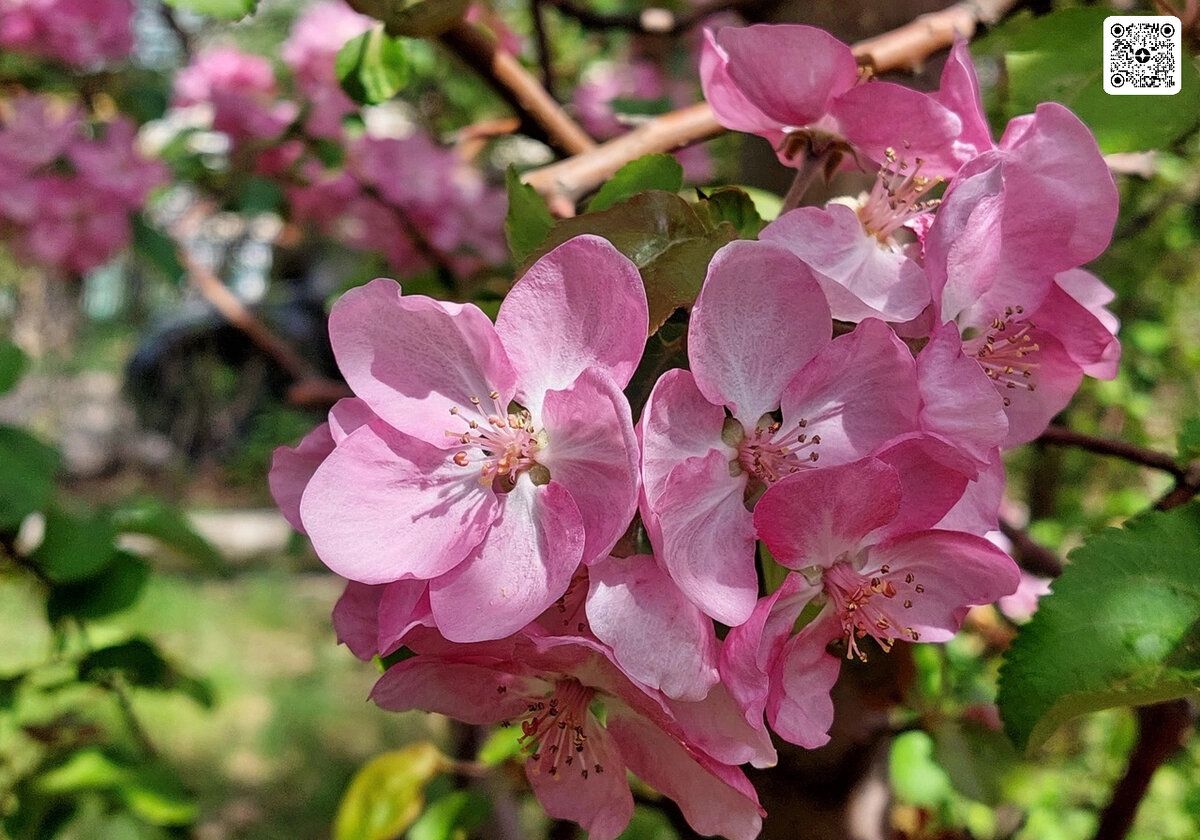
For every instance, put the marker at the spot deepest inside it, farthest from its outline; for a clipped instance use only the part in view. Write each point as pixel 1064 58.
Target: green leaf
pixel 916 777
pixel 372 67
pixel 151 791
pixel 139 663
pixel 116 588
pixel 641 107
pixel 387 795
pixel 415 18
pixel 528 220
pixel 219 9
pixel 975 758
pixel 663 235
pixel 75 548
pixel 500 746
pixel 157 248
pixel 1119 628
pixel 452 817
pixel 27 468
pixel 733 205
pixel 85 769
pixel 652 172
pixel 1058 57
pixel 1189 440
pixel 167 524
pixel 12 364
pixel 259 195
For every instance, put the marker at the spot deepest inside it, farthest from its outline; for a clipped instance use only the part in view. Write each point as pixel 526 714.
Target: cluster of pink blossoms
pixel 404 196
pixel 477 488
pixel 68 186
pixel 81 33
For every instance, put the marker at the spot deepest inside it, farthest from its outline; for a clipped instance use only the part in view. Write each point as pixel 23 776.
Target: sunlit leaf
pixel 387 795
pixel 503 744
pixel 663 235
pixel 1058 57
pixel 166 523
pixel 452 817
pixel 415 18
pixel 372 67
pixel 220 9
pixel 916 777
pixel 528 219
pixel 651 172
pixel 1120 628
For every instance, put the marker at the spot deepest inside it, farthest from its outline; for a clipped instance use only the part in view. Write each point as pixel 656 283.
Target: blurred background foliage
pixel 167 665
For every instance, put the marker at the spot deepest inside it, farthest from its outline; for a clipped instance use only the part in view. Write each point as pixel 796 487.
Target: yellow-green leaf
pixel 387 794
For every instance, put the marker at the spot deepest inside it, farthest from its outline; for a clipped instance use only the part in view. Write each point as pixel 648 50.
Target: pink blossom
pixel 310 51
pixel 875 572
pixel 1022 604
pixel 576 766
pixel 82 33
pixel 760 352
pixel 799 88
pixel 1003 259
pixel 242 90
pixel 495 505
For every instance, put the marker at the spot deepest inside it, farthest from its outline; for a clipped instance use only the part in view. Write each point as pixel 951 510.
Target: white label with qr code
pixel 1142 55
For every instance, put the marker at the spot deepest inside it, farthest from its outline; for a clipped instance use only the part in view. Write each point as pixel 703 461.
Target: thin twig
pixel 538 14
pixel 1062 436
pixel 542 117
pixel 1162 728
pixel 566 182
pixel 310 388
pixel 1031 555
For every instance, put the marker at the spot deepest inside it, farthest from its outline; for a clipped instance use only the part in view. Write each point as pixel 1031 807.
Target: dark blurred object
pixel 202 382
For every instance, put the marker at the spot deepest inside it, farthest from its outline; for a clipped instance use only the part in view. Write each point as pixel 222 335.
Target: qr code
pixel 1142 55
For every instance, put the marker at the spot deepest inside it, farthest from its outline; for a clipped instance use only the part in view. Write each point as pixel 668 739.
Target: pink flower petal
pixel 790 73
pixel 959 91
pixel 861 278
pixel 356 618
pixel 412 359
pixel 714 798
pixel 731 107
pixel 758 318
pixel 601 803
pixel 799 707
pixel 858 392
pixel 593 454
pixel 1056 377
pixel 677 424
pixel 580 306
pixel 1074 311
pixel 813 517
pixel 658 637
pixel 291 470
pixel 880 116
pixel 384 506
pixel 717 726
pixel 517 572
pixel 958 401
pixel 463 690
pixel 708 538
pixel 954 571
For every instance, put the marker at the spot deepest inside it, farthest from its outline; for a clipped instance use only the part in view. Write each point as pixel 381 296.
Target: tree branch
pixel 1162 728
pixel 1031 555
pixel 566 182
pixel 1062 436
pixel 541 116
